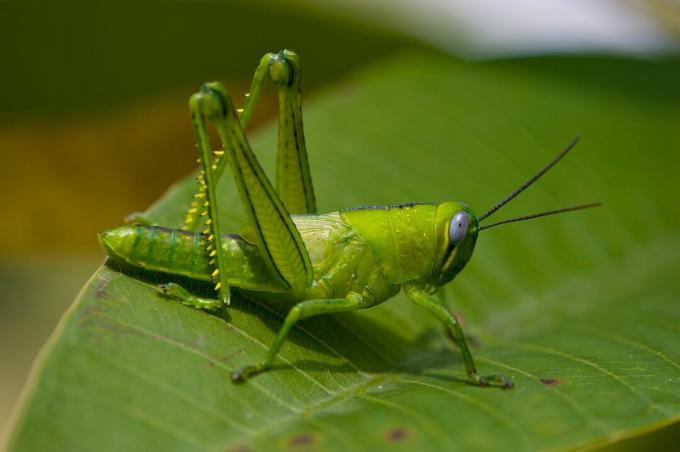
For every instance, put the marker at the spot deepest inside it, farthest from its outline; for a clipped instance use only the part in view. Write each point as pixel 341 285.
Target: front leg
pixel 424 300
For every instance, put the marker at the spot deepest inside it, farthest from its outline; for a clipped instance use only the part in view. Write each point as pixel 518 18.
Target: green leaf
pixel 580 310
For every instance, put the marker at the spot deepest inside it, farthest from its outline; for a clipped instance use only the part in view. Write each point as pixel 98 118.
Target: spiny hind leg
pixel 204 105
pixel 300 311
pixel 177 292
pixel 275 234
pixel 293 177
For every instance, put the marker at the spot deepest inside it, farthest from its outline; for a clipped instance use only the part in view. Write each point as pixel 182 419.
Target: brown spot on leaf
pixel 396 434
pixel 102 288
pixel 551 381
pixel 303 439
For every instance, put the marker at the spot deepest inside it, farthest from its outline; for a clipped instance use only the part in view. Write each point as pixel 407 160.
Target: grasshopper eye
pixel 458 227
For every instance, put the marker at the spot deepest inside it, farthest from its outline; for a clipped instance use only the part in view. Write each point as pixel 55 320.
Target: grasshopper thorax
pixel 456 229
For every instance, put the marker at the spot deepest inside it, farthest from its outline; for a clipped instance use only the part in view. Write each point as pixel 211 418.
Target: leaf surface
pixel 580 310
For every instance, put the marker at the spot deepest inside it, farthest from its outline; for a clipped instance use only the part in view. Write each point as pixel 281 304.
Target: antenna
pixel 526 184
pixel 542 214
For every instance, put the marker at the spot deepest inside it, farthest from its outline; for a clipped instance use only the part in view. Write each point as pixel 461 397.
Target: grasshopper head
pixel 457 226
pixel 456 234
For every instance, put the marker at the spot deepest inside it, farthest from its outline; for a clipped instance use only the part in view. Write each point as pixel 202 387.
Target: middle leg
pixel 299 312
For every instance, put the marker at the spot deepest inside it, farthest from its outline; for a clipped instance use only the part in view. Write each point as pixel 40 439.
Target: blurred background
pixel 94 121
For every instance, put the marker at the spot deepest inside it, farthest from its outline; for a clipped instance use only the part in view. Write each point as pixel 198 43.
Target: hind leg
pixel 275 234
pixel 293 178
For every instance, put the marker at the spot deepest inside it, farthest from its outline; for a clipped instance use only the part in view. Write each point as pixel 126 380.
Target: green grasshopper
pixel 340 261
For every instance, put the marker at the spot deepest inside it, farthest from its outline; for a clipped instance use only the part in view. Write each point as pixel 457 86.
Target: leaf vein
pixel 592 364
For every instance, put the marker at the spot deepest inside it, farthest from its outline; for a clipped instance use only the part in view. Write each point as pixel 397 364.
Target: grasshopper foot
pixel 244 373
pixel 175 291
pixel 499 381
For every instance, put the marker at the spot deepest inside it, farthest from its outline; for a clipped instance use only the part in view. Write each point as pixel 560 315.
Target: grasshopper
pixel 334 262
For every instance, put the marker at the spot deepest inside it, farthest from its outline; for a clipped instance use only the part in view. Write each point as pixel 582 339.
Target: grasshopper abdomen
pixel 180 252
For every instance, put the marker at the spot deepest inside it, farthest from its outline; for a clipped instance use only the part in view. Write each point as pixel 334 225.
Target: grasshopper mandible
pixel 334 262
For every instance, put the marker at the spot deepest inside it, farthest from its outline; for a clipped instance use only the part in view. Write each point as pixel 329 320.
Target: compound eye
pixel 458 227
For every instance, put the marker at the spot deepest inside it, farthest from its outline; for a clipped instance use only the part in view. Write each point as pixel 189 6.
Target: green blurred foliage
pixel 79 55
pixel 94 99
